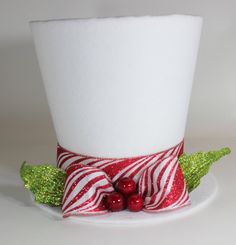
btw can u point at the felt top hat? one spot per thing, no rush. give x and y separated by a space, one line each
118 87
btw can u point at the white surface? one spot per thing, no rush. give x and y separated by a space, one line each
118 87
200 197
23 223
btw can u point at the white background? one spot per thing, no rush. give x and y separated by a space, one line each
24 114
26 131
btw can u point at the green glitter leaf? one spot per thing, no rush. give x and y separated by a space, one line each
46 182
196 165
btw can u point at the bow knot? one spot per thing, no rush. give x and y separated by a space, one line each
159 177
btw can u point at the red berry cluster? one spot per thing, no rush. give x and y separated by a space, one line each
124 197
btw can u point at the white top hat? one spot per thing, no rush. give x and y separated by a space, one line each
118 87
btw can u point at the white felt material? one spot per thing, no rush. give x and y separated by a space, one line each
118 87
200 198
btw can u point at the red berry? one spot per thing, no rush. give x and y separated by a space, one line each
126 186
115 202
135 203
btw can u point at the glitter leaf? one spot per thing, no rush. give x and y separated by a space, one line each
196 165
46 182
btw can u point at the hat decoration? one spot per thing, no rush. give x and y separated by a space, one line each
91 186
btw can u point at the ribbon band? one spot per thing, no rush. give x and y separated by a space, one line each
116 168
89 179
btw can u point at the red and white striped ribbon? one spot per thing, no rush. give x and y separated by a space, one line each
163 187
116 168
84 190
89 179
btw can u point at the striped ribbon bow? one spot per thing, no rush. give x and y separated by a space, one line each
159 177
